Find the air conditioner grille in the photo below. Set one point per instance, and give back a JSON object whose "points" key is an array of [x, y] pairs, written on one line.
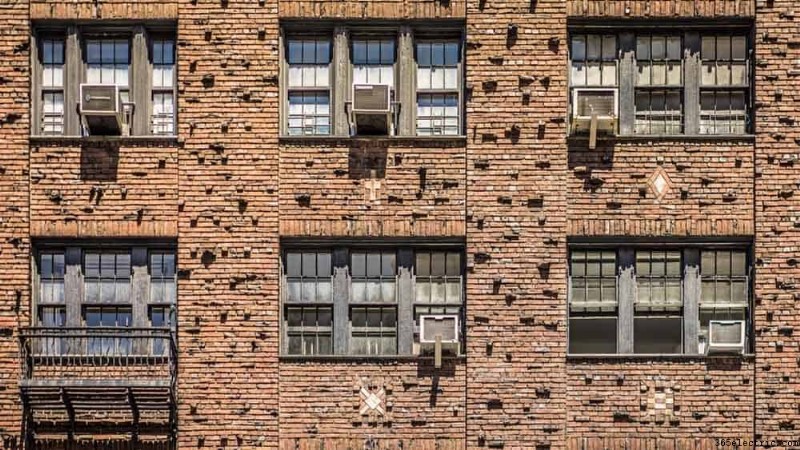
{"points": [[726, 333], [601, 103], [444, 326], [371, 97]]}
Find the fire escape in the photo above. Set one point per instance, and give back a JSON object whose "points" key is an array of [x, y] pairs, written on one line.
{"points": [[118, 383]]}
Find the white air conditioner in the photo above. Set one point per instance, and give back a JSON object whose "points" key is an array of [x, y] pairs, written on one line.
{"points": [[102, 111], [445, 327], [726, 336], [372, 112], [594, 111]]}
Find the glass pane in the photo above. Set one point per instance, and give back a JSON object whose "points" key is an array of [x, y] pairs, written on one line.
{"points": [[323, 291], [578, 290], [609, 47], [294, 317], [423, 294], [293, 288], [739, 292], [309, 264], [578, 74], [643, 47], [323, 264], [324, 317], [643, 292], [739, 48], [708, 51], [643, 263], [723, 74], [309, 291], [674, 47], [657, 335], [358, 263], [593, 264], [578, 264], [294, 345], [723, 48], [325, 344], [709, 74], [609, 264], [593, 290], [374, 291], [673, 292], [593, 47], [674, 74], [724, 263], [739, 74], [453, 264], [724, 291], [578, 48], [373, 264], [453, 292], [438, 292], [423, 264], [609, 290], [707, 294], [609, 74], [388, 291], [738, 263], [593, 335], [438, 264], [643, 74], [593, 74], [707, 263], [673, 264], [659, 76], [659, 48]]}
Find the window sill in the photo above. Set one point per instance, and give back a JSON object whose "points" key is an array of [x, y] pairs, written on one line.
{"points": [[615, 358], [362, 359], [667, 138], [83, 140], [432, 141]]}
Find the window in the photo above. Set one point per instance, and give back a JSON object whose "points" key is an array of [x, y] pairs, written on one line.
{"points": [[438, 87], [372, 60], [52, 86], [633, 299], [594, 60], [103, 289], [684, 82], [724, 84], [658, 315], [163, 296], [163, 85], [372, 287], [104, 57], [658, 84], [308, 283], [725, 287], [593, 302], [309, 86], [52, 311]]}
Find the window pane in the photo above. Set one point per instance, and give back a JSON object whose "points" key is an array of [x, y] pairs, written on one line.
{"points": [[373, 264], [578, 48], [594, 47], [643, 47], [309, 264], [657, 335], [708, 51], [593, 335], [738, 263]]}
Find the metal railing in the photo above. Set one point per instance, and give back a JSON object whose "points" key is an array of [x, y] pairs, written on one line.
{"points": [[102, 352]]}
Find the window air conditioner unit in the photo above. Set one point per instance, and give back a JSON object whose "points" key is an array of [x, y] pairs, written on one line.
{"points": [[594, 111], [438, 333], [726, 336], [372, 112], [101, 110]]}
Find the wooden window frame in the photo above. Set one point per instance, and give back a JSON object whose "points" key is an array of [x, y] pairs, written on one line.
{"points": [[405, 285], [691, 280], [75, 72], [691, 88]]}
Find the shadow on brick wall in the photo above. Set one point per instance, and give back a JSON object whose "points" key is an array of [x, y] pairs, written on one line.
{"points": [[99, 162]]}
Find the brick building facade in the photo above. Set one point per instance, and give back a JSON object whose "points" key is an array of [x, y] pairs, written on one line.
{"points": [[192, 280]]}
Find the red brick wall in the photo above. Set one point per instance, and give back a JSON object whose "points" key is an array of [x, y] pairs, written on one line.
{"points": [[228, 226], [777, 210], [14, 208]]}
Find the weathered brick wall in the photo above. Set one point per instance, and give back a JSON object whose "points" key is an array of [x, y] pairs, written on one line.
{"points": [[335, 190], [710, 189], [516, 224], [228, 226], [666, 399], [104, 190], [320, 401], [777, 212], [103, 9], [14, 211], [370, 9], [660, 8]]}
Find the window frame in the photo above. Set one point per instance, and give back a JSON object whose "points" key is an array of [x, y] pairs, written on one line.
{"points": [[341, 75], [406, 327], [458, 91], [691, 86], [691, 281], [287, 89], [75, 71]]}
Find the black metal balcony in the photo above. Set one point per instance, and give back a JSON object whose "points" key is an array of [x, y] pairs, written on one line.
{"points": [[121, 379]]}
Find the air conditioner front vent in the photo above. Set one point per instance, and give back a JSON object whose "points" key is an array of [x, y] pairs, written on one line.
{"points": [[726, 336]]}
